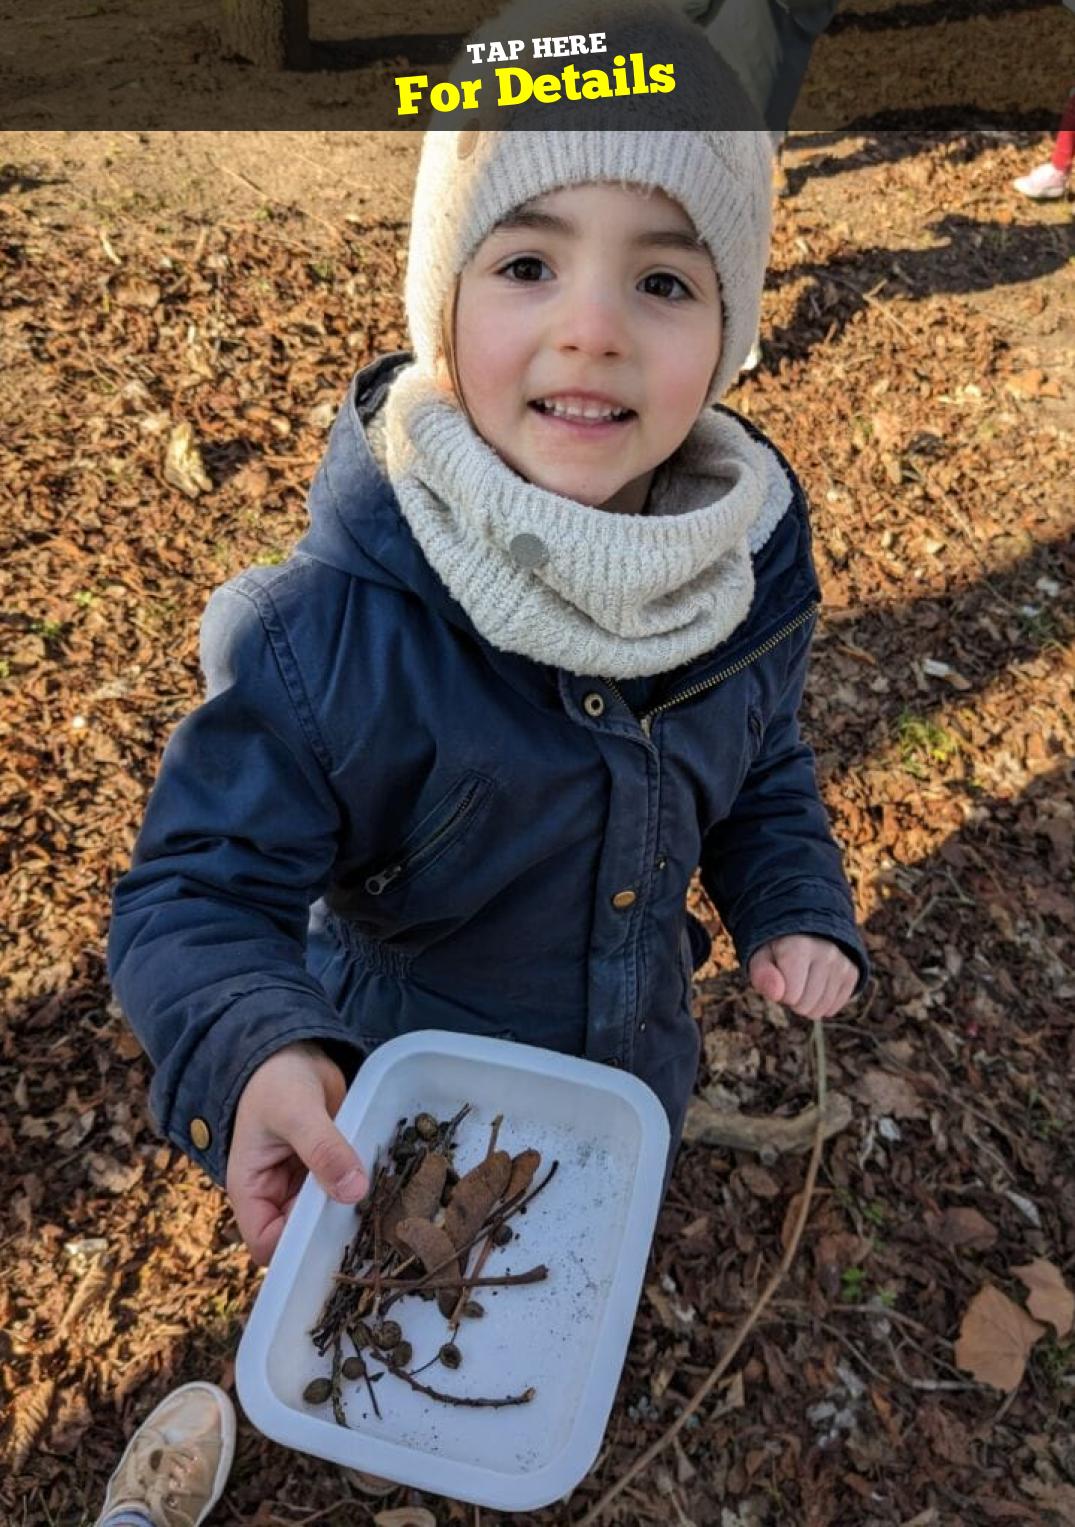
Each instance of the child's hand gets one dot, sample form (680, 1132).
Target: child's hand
(810, 975)
(283, 1126)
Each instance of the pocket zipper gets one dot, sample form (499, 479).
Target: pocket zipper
(645, 721)
(377, 884)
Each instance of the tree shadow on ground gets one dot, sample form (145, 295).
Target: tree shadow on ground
(883, 148)
(996, 891)
(980, 629)
(976, 256)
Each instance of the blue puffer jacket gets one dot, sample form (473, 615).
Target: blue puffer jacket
(377, 822)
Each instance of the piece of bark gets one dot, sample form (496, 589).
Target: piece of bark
(767, 1137)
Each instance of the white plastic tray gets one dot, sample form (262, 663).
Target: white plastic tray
(565, 1337)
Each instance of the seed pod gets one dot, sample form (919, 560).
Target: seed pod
(353, 1368)
(388, 1334)
(473, 1310)
(400, 1355)
(426, 1126)
(317, 1391)
(359, 1333)
(502, 1235)
(450, 1355)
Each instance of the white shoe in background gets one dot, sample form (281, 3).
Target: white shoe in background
(1045, 183)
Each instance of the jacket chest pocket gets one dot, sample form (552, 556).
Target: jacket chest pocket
(437, 831)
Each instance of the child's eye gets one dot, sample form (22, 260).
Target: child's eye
(662, 283)
(524, 268)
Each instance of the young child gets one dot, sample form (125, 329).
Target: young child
(539, 656)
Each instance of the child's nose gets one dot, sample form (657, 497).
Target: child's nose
(594, 322)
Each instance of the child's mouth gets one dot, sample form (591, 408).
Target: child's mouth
(586, 417)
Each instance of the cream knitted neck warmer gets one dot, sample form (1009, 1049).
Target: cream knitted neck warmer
(593, 592)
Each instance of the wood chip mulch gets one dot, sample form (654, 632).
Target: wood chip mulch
(919, 371)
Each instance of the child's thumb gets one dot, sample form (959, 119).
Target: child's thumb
(766, 976)
(320, 1146)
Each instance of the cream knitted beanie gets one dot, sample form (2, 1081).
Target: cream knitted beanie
(468, 181)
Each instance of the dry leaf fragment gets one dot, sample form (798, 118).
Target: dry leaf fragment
(1050, 1298)
(421, 1197)
(995, 1339)
(137, 293)
(888, 1095)
(405, 1516)
(433, 1248)
(183, 465)
(474, 1195)
(760, 1182)
(29, 1412)
(523, 1167)
(963, 1228)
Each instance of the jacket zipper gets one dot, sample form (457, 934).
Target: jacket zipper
(645, 721)
(377, 884)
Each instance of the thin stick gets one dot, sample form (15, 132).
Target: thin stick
(743, 1330)
(536, 1274)
(475, 1402)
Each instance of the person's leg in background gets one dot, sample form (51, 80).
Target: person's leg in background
(1047, 182)
(174, 1468)
(768, 43)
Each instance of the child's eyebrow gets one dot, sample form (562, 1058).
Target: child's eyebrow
(650, 238)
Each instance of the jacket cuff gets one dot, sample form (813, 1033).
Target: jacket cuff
(199, 1116)
(823, 910)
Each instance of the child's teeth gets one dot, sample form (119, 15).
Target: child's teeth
(582, 410)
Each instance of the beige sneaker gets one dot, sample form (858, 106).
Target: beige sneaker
(175, 1465)
(369, 1484)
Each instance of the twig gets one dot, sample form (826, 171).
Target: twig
(536, 1274)
(743, 1330)
(475, 1402)
(494, 1134)
(287, 206)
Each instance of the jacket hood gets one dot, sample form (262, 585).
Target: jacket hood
(355, 520)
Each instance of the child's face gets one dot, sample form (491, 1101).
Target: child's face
(594, 298)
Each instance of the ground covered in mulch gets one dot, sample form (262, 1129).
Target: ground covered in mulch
(919, 370)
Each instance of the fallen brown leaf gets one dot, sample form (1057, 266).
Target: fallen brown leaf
(888, 1095)
(1050, 1298)
(962, 1228)
(995, 1339)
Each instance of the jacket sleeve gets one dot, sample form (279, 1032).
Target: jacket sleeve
(207, 941)
(771, 867)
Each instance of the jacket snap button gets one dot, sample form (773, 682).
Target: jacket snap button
(529, 550)
(200, 1134)
(624, 899)
(594, 704)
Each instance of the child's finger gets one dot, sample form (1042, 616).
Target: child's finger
(320, 1147)
(765, 976)
(794, 962)
(816, 991)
